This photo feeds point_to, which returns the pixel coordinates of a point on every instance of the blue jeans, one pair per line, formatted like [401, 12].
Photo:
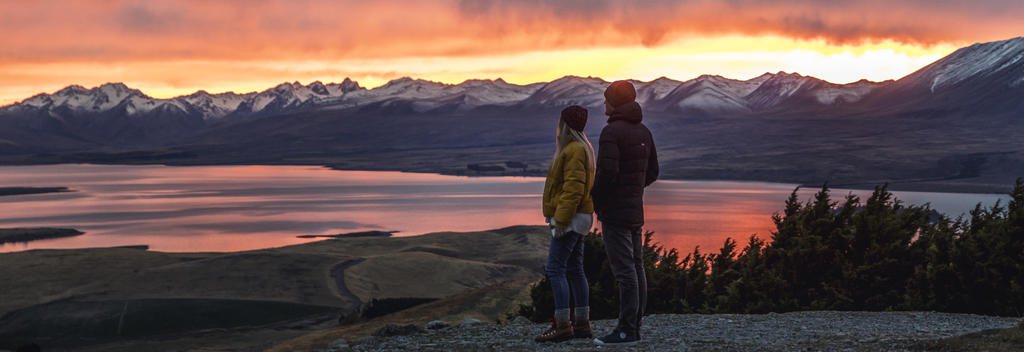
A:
[565, 271]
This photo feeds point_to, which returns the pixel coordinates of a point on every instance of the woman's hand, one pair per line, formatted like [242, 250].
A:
[559, 232]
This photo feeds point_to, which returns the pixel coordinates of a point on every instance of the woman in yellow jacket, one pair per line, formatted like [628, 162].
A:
[569, 211]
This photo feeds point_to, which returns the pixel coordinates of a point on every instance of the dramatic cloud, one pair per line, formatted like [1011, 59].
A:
[155, 29]
[840, 22]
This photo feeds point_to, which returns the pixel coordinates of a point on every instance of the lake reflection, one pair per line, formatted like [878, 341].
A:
[229, 208]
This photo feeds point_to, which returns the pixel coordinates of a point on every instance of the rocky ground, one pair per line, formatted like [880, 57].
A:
[798, 331]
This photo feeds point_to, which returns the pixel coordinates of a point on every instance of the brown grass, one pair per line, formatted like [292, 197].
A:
[490, 303]
[440, 265]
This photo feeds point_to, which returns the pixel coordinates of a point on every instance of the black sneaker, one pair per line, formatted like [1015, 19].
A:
[617, 337]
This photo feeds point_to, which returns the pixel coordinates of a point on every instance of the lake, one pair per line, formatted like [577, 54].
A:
[232, 208]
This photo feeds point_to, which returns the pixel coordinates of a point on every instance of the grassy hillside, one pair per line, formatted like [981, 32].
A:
[88, 296]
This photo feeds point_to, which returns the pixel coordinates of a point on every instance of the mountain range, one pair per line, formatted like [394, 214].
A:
[706, 94]
[978, 89]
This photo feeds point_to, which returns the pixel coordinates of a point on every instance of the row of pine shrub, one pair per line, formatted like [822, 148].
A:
[827, 254]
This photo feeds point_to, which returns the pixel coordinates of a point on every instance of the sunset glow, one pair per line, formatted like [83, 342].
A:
[170, 48]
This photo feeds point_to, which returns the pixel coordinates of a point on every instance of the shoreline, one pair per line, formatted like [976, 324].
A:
[938, 185]
[29, 234]
[15, 191]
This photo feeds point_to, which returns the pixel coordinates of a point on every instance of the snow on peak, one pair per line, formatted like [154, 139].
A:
[707, 93]
[655, 89]
[479, 82]
[785, 84]
[346, 86]
[568, 90]
[496, 92]
[319, 88]
[72, 89]
[214, 105]
[407, 82]
[112, 95]
[38, 100]
[76, 97]
[980, 59]
[286, 95]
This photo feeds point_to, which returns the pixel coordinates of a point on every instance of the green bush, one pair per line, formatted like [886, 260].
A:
[829, 255]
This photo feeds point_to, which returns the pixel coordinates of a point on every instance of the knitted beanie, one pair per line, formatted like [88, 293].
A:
[620, 93]
[575, 117]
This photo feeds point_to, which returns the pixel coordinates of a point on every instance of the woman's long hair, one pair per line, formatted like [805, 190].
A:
[564, 135]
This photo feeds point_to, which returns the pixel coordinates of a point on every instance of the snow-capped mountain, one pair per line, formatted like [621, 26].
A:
[423, 95]
[784, 89]
[497, 92]
[216, 105]
[101, 98]
[976, 61]
[569, 90]
[656, 89]
[116, 97]
[981, 77]
[705, 94]
[972, 71]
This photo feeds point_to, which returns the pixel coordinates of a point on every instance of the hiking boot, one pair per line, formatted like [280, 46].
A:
[558, 332]
[581, 329]
[617, 337]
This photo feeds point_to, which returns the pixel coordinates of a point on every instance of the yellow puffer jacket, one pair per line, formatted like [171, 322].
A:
[567, 189]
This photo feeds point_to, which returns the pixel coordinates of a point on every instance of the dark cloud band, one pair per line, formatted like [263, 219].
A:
[192, 29]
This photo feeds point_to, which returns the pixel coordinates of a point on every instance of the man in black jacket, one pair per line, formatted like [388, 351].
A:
[626, 164]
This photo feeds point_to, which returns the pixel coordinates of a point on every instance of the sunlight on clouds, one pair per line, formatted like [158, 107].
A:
[747, 57]
[734, 57]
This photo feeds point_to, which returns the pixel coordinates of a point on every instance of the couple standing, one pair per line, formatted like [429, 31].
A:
[612, 185]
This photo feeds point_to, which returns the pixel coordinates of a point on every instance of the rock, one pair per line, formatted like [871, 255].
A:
[436, 325]
[350, 316]
[521, 320]
[339, 345]
[471, 321]
[393, 329]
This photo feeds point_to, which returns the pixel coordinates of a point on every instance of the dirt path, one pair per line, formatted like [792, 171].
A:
[338, 273]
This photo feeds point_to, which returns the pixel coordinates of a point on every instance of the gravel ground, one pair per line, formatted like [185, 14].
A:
[798, 331]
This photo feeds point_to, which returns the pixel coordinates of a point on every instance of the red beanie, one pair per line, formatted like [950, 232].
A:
[620, 93]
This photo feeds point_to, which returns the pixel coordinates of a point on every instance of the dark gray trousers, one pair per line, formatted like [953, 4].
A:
[625, 254]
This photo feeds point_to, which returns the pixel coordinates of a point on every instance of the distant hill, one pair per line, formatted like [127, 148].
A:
[953, 125]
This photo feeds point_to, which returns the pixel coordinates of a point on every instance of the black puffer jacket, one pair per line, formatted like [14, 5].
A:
[626, 163]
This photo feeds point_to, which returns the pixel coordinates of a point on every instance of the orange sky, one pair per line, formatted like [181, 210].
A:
[172, 47]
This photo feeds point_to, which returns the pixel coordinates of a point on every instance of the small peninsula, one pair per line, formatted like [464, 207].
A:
[35, 233]
[13, 191]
